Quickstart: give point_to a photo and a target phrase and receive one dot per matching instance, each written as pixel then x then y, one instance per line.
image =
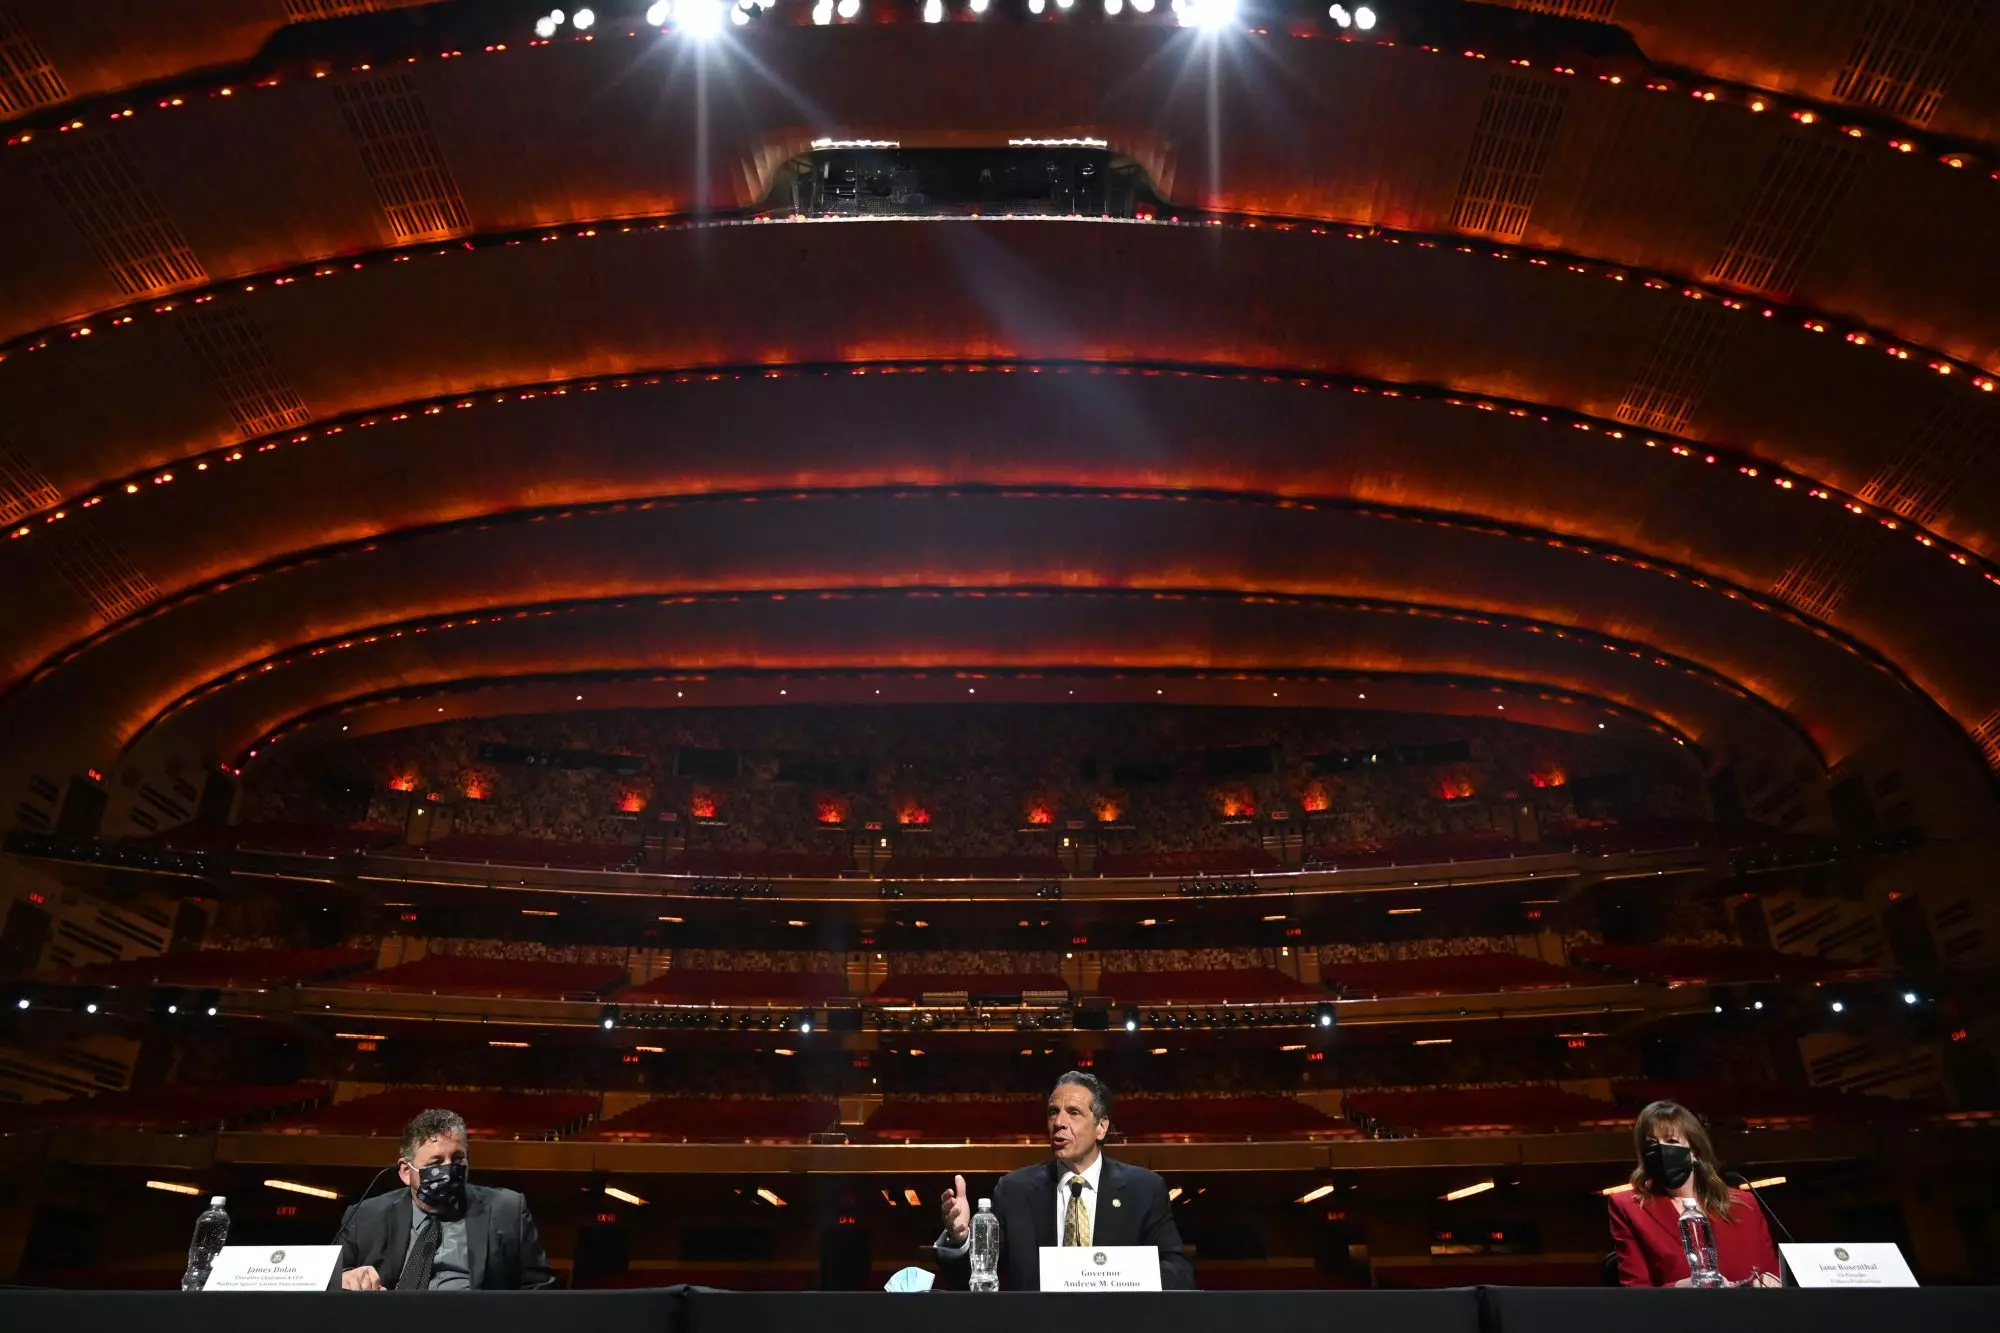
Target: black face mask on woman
pixel 1668 1165
pixel 441 1188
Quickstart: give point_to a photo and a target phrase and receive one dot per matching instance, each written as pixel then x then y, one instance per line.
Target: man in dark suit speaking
pixel 440 1233
pixel 1078 1197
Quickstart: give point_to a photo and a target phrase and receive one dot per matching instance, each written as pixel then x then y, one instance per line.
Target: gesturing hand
pixel 957 1210
pixel 363 1278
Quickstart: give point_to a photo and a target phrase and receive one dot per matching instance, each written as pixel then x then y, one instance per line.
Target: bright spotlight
pixel 1839 1008
pixel 1909 997
pixel 23 1003
pixel 823 12
pixel 1037 6
pixel 1339 14
pixel 1065 4
pixel 545 27
pixel 978 6
pixel 806 1026
pixel 1364 17
pixel 1112 8
pixel 583 19
pixel 659 12
pixel 933 11
pixel 739 15
pixel 1143 6
pixel 700 19
pixel 847 9
pixel 1211 15
pixel 556 17
pixel 90 1008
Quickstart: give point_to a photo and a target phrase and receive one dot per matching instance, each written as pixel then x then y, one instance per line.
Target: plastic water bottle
pixel 1698 1244
pixel 985 1248
pixel 211 1233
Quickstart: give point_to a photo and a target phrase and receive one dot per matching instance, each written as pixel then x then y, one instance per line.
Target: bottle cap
pixel 986 1205
pixel 217 1201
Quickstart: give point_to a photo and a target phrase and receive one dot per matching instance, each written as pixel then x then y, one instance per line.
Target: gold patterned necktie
pixel 1076 1217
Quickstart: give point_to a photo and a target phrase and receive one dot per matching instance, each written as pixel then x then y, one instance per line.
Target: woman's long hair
pixel 1710 1190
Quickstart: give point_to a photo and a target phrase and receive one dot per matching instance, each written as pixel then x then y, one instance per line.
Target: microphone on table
pixel 1737 1180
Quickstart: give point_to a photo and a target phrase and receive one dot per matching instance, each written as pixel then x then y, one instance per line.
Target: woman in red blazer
pixel 1678 1169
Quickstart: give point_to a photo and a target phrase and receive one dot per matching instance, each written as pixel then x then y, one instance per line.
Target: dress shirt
pixel 451 1268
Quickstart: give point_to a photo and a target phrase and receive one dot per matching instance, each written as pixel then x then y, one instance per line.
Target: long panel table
pixel 700 1310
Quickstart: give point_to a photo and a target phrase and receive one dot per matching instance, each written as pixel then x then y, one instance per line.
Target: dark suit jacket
pixel 1132 1209
pixel 500 1238
pixel 1646 1233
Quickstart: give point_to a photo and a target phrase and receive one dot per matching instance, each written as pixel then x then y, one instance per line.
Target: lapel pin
pixel 1117 1203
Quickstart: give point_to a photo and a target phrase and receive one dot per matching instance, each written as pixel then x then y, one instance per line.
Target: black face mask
pixel 441 1188
pixel 1668 1165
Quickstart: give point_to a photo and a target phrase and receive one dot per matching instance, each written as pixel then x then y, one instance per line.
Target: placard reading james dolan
pixel 273 1268
pixel 1100 1268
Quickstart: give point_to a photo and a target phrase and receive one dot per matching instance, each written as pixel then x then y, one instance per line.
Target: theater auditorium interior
pixel 728 588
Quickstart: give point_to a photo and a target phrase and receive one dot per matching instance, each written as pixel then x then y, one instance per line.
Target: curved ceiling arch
pixel 477 526
pixel 1927 387
pixel 970 630
pixel 1801 48
pixel 945 537
pixel 1354 132
pixel 1528 703
pixel 369 635
pixel 1835 413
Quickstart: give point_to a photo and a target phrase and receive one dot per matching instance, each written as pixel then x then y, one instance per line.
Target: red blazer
pixel 1646 1232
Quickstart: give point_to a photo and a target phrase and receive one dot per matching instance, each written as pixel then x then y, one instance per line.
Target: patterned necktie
pixel 1076 1218
pixel 416 1275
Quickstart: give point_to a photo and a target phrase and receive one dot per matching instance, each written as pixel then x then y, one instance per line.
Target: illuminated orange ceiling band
pixel 362 636
pixel 1474 523
pixel 249 749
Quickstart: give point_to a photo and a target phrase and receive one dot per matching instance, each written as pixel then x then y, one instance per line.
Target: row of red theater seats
pixel 333 840
pixel 302 1109
pixel 487 1114
pixel 459 974
pixel 225 967
pixel 1455 974
pixel 1718 964
pixel 673 1119
pixel 1483 1110
pixel 182 1108
pixel 530 978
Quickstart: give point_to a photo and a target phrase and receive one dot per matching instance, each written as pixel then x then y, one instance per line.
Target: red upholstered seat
pixel 456 974
pixel 1228 985
pixel 719 1120
pixel 493 1115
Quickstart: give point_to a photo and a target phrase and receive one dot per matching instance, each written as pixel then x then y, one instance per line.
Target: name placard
pixel 273 1268
pixel 1100 1268
pixel 1857 1264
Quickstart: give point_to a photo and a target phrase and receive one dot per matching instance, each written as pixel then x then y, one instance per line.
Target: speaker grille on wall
pixel 116 211
pixel 306 11
pixel 95 570
pixel 259 396
pixel 27 79
pixel 1517 127
pixel 1938 452
pixel 385 116
pixel 1835 558
pixel 1804 181
pixel 1594 11
pixel 23 488
pixel 1906 55
pixel 1688 350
